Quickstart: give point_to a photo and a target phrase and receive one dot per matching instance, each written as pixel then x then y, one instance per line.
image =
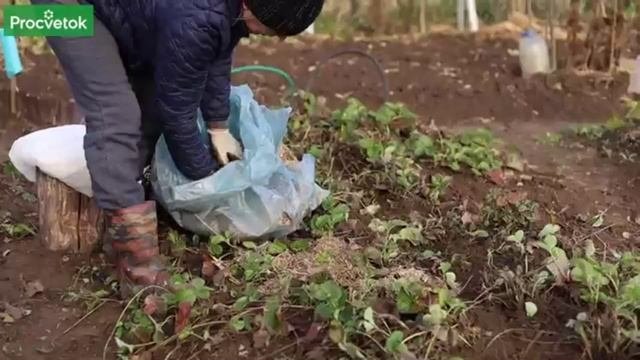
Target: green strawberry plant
pixel 395 343
pixel 332 304
pixel 16 230
pixel 593 276
pixel 373 149
pixel 349 118
pixel 438 186
pixel 272 317
pixel 250 295
pixel 409 296
pixel 422 146
pixel 557 262
pixel 474 148
pixel 335 214
pixel 393 233
pixel 186 290
pixel 390 114
pixel 254 265
pixel 216 243
pixel 178 243
pixel 316 151
pixel 612 290
pixel 516 241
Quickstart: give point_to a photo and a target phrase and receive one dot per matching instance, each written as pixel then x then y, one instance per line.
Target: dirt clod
pixel 33 288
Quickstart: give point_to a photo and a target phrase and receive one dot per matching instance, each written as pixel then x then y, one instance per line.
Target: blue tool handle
pixel 12 63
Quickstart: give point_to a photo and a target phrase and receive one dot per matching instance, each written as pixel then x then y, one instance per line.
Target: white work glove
pixel 225 146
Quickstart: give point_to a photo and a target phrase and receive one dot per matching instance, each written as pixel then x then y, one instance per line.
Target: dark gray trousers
pixel 119 115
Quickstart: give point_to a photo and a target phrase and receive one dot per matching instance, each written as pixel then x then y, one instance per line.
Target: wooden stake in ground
pixel 13 93
pixel 14 86
pixel 614 27
pixel 547 26
pixel 550 36
pixel 376 17
pixel 68 220
pixel 460 15
pixel 530 12
pixel 596 37
pixel 573 29
pixel 554 45
pixel 423 17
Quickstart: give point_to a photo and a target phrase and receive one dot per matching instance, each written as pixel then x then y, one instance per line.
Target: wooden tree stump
pixel 68 220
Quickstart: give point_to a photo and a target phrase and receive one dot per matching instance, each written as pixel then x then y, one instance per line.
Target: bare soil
pixel 454 82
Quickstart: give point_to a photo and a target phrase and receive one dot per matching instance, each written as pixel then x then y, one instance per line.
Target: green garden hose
pixel 378 67
pixel 292 84
pixel 271 69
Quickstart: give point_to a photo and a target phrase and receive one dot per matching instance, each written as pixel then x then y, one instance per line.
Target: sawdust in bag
pixel 258 196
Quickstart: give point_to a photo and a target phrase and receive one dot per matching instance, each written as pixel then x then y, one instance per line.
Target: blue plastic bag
pixel 258 196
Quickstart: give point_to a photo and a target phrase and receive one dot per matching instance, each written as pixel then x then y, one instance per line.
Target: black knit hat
pixel 286 17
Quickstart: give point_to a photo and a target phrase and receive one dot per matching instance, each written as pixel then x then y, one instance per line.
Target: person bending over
pixel 149 67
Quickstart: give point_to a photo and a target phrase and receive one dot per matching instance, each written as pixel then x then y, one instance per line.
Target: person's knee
pixel 114 136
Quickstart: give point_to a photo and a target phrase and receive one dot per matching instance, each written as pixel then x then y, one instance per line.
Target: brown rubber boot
pixel 131 241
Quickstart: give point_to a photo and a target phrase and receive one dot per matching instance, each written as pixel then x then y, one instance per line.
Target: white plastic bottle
pixel 534 54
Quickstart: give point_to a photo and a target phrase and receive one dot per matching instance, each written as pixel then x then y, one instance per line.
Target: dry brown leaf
pixel 497 177
pixel 313 332
pixel 153 304
pixel 182 317
pixel 209 269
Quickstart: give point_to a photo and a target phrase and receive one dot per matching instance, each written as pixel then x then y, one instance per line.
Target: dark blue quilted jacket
pixel 188 45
